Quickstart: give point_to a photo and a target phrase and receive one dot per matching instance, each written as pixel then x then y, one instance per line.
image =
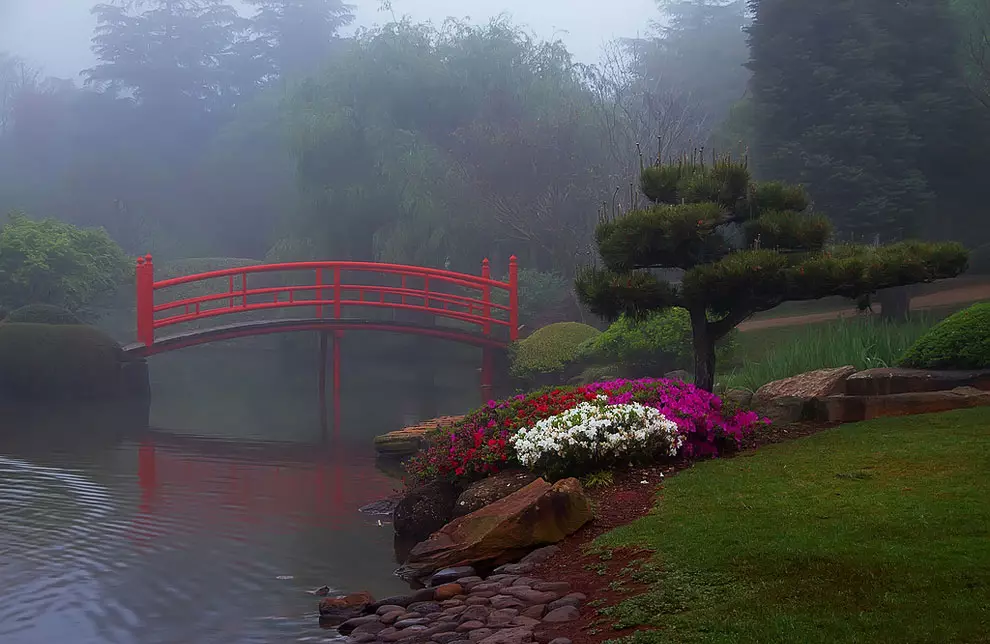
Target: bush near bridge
pixel 654 345
pixel 961 341
pixel 550 349
pixel 614 414
pixel 48 361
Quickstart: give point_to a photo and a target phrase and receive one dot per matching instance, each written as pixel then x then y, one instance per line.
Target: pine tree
pixel 741 247
pixel 169 54
pixel 292 37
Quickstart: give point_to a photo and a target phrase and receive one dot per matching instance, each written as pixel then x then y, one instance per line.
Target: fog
pixel 56 33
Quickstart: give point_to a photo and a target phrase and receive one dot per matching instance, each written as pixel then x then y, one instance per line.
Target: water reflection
pixel 202 530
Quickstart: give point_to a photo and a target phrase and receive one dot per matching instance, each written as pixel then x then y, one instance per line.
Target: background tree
pixel 864 103
pixel 294 37
pixel 728 247
pixel 169 55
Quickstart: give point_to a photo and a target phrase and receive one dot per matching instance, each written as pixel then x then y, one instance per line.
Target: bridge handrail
pixel 147 286
pixel 461 279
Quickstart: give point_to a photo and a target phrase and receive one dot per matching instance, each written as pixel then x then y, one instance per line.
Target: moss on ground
pixel 872 532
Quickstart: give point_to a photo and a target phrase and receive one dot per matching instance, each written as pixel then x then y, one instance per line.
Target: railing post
pixel 336 293
pixel 144 279
pixel 513 298
pixel 486 296
pixel 319 292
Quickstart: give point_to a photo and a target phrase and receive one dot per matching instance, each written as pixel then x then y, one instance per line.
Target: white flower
pixel 597 431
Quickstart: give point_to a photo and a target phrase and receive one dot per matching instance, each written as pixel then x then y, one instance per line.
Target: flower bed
pixel 494 436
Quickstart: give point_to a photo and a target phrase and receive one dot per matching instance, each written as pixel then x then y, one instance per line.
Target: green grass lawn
pixel 872 532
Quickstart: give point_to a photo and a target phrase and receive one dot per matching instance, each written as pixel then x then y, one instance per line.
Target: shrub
pixel 550 349
pixel 57 361
pixel 595 435
pixel 659 343
pixel 54 262
pixel 961 341
pixel 480 444
pixel 42 314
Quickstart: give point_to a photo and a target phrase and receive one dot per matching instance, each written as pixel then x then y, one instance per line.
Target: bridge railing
pixel 444 294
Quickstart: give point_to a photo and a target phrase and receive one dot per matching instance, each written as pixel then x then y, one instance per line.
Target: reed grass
pixel 865 343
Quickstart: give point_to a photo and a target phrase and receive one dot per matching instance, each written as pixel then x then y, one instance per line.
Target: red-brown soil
pixel 631 496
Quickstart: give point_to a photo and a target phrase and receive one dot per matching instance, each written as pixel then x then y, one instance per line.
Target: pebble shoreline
pixel 508 607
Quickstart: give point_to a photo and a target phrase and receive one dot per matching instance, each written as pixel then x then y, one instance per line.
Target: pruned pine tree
pixel 725 247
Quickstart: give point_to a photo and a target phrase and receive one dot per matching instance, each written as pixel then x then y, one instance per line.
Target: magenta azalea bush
pixel 480 445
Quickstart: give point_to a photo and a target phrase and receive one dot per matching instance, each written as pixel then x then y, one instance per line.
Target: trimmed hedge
pixel 550 349
pixel 50 361
pixel 42 314
pixel 961 341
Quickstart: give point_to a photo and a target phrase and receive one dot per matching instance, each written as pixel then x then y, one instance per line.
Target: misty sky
pixel 55 33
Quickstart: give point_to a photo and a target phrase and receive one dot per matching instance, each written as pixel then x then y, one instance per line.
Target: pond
pixel 212 524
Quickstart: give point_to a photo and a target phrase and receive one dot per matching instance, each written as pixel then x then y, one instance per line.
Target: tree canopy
pixel 724 247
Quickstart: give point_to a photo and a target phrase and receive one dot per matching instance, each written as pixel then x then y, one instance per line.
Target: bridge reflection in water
pixel 214 483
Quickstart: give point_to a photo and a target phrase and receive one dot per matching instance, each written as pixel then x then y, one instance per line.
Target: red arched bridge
pixel 339 296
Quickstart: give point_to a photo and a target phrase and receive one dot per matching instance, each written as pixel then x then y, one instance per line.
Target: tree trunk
pixel 895 303
pixel 704 351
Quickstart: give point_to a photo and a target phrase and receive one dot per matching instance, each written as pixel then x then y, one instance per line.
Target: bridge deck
pixel 265 327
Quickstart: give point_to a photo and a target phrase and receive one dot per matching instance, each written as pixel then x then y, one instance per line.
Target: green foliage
pixel 781 254
pixel 57 361
pixel 550 349
pixel 597 480
pixel 661 341
pixel 772 354
pixel 418 162
pixel 753 549
pixel 961 341
pixel 865 103
pixel 41 314
pixel 56 263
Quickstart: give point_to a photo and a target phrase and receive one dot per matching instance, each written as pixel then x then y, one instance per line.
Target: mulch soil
pixel 632 496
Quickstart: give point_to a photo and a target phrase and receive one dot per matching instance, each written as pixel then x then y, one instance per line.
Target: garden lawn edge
pixel 631 496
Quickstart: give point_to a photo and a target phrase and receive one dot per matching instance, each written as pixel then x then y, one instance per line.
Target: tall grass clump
pixel 865 343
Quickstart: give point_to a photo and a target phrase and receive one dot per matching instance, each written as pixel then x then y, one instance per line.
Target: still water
pixel 208 527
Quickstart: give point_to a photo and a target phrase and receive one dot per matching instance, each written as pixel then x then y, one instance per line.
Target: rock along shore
pixel 460 607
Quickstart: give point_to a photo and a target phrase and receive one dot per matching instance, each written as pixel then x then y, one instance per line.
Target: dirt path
pixel 948 297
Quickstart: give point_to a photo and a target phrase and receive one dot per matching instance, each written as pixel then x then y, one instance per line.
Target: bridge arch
pixel 466 305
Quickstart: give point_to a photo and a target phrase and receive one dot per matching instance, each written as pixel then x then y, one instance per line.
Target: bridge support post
pixel 487 374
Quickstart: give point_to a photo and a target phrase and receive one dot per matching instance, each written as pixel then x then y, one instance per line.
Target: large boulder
pixel 813 384
pixel 885 381
pixel 489 490
pixel 538 514
pixel 425 510
pixel 848 409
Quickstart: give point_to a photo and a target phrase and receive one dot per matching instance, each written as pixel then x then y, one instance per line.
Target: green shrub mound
pixel 550 349
pixel 42 314
pixel 47 361
pixel 961 341
pixel 659 343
